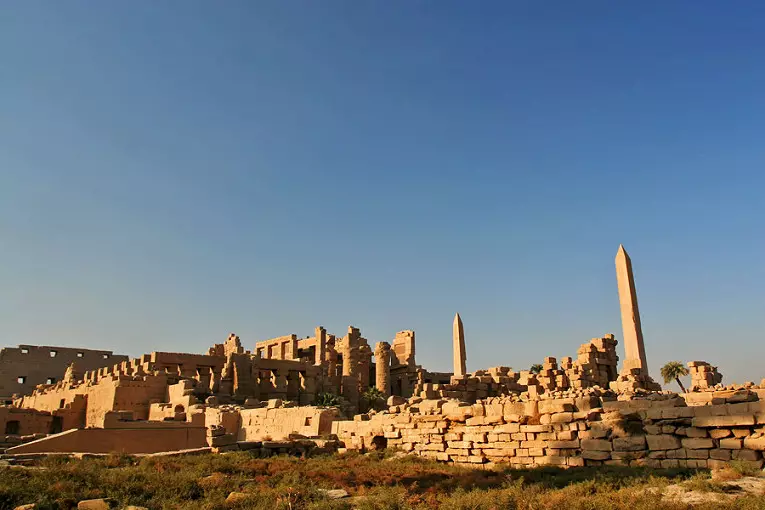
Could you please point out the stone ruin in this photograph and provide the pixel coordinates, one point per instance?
(703, 375)
(579, 411)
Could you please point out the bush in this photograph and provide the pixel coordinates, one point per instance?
(327, 400)
(373, 398)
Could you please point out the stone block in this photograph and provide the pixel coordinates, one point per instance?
(596, 445)
(555, 406)
(719, 454)
(723, 421)
(746, 455)
(596, 455)
(731, 443)
(574, 443)
(695, 432)
(697, 454)
(629, 443)
(565, 417)
(719, 433)
(96, 504)
(599, 431)
(663, 442)
(755, 443)
(697, 443)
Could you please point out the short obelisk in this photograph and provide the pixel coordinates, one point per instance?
(634, 349)
(458, 337)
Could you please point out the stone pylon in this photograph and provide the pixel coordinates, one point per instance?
(458, 339)
(634, 349)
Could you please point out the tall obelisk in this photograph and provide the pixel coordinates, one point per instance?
(634, 349)
(458, 337)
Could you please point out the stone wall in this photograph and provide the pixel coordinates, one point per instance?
(17, 422)
(44, 364)
(584, 429)
(129, 438)
(279, 423)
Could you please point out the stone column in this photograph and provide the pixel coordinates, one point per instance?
(634, 349)
(382, 367)
(321, 345)
(458, 341)
(365, 363)
(350, 381)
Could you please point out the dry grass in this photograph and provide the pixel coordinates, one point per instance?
(375, 482)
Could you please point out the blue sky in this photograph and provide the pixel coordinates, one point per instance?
(174, 171)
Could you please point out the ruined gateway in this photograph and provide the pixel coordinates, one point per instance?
(582, 410)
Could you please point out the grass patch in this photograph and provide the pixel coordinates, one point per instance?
(375, 482)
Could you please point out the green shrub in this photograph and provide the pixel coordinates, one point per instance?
(327, 400)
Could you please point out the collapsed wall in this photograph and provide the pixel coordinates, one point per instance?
(589, 427)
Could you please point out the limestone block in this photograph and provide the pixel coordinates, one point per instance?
(653, 429)
(719, 433)
(563, 444)
(555, 406)
(596, 455)
(663, 442)
(565, 417)
(508, 428)
(746, 455)
(536, 428)
(533, 444)
(697, 443)
(680, 453)
(723, 421)
(96, 504)
(628, 455)
(224, 440)
(599, 431)
(719, 454)
(755, 443)
(629, 443)
(552, 461)
(695, 432)
(596, 445)
(697, 454)
(741, 432)
(677, 412)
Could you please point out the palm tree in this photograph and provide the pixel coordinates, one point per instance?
(674, 370)
(536, 368)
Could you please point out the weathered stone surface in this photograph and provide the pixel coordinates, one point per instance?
(96, 504)
(335, 493)
(458, 340)
(237, 498)
(731, 443)
(663, 442)
(629, 443)
(634, 348)
(697, 443)
(724, 421)
(596, 445)
(596, 455)
(755, 444)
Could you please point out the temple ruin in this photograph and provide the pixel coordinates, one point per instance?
(330, 392)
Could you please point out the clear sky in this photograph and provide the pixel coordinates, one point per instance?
(174, 171)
